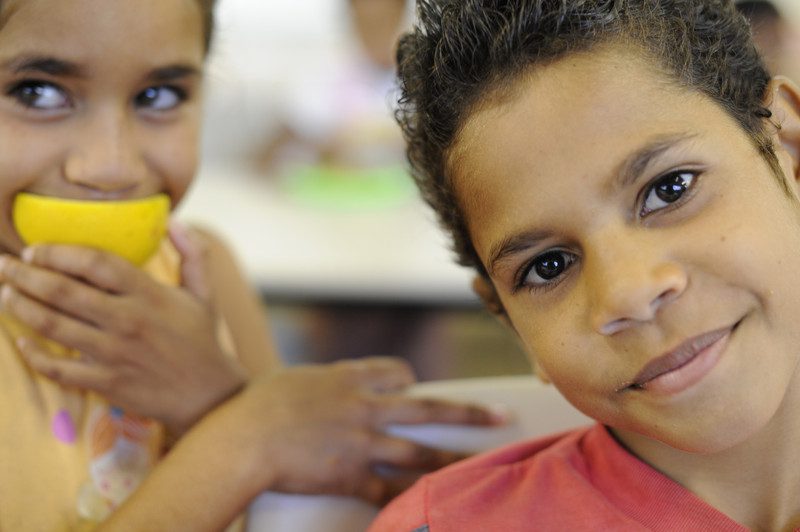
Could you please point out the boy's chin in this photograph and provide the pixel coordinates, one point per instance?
(695, 437)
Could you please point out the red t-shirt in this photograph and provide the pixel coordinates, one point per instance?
(580, 480)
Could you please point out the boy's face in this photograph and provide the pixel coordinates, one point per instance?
(642, 249)
(101, 99)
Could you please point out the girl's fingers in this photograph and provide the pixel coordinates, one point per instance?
(397, 483)
(52, 324)
(65, 371)
(99, 268)
(194, 260)
(380, 374)
(56, 290)
(404, 410)
(405, 454)
(374, 489)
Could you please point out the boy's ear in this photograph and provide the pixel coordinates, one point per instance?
(783, 99)
(487, 293)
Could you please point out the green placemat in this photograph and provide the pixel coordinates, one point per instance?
(350, 189)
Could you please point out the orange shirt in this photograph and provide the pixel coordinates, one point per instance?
(581, 480)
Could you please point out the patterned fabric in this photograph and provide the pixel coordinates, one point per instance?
(67, 458)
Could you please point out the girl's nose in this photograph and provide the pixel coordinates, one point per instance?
(632, 287)
(106, 156)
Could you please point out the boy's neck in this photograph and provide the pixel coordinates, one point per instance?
(755, 483)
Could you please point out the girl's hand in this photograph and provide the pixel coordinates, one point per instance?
(308, 429)
(144, 346)
(321, 429)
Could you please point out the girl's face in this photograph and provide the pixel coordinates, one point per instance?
(642, 249)
(100, 99)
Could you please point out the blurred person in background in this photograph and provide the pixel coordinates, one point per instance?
(340, 116)
(338, 149)
(777, 37)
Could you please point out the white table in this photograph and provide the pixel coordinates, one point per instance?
(393, 255)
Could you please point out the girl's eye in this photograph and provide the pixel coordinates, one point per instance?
(667, 190)
(40, 95)
(547, 268)
(161, 98)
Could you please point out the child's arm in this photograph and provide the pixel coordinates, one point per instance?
(145, 347)
(313, 429)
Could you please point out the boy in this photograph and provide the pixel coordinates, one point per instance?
(623, 176)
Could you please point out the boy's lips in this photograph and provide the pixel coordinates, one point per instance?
(706, 346)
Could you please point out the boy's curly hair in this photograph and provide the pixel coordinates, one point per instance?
(463, 51)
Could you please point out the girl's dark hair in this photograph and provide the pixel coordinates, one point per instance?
(207, 7)
(463, 51)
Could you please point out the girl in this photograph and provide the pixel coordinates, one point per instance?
(101, 102)
(624, 176)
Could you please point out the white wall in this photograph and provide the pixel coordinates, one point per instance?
(792, 8)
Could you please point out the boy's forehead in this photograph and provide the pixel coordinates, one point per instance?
(577, 81)
(583, 117)
(550, 108)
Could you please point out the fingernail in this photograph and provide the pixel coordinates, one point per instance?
(500, 414)
(176, 225)
(27, 254)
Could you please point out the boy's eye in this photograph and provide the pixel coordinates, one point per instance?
(40, 95)
(547, 267)
(161, 98)
(667, 190)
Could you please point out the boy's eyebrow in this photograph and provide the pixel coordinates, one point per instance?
(43, 64)
(627, 173)
(635, 164)
(512, 245)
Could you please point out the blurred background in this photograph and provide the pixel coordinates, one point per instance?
(303, 173)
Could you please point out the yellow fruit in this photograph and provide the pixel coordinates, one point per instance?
(132, 229)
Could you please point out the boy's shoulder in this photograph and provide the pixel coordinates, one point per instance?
(579, 480)
(488, 488)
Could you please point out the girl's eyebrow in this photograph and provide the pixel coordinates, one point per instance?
(43, 64)
(61, 68)
(173, 73)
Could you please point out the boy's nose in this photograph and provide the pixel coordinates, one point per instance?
(630, 286)
(105, 156)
